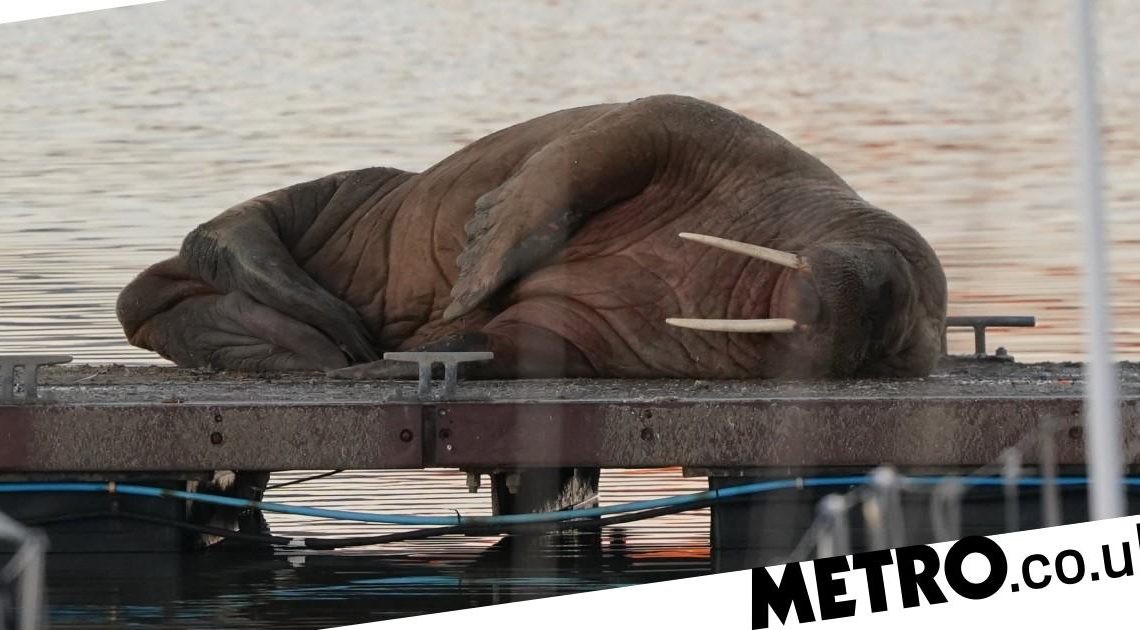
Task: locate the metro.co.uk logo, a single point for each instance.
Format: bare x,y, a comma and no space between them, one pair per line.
972,568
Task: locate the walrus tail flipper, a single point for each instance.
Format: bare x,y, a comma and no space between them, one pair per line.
531,216
249,249
170,311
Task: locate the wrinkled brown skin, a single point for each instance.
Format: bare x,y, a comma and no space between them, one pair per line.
553,243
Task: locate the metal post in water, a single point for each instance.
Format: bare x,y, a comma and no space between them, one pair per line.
1102,414
1047,454
835,539
25,569
882,510
32,614
946,509
1011,474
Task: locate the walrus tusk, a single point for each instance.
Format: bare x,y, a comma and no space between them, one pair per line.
786,259
736,325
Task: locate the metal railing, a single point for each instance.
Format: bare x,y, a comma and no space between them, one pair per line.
22,577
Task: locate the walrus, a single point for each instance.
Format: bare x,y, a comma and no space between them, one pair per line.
662,237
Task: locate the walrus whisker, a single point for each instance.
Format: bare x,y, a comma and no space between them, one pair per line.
736,325
787,259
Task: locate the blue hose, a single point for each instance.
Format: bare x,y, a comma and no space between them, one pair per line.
537,517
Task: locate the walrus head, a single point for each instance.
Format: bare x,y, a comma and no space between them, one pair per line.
846,308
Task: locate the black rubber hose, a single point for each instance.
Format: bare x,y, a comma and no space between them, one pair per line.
261,539
327,544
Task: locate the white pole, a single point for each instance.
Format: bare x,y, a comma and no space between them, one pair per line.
1102,414
25,569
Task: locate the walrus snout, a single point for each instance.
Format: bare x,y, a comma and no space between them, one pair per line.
866,297
800,299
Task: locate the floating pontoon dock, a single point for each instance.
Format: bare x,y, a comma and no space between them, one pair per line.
93,418
169,425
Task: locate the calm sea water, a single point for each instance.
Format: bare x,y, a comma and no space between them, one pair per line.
121,130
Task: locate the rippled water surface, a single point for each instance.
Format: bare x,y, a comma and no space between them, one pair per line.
121,130
310,589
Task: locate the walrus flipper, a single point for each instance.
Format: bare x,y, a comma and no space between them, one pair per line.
521,223
248,249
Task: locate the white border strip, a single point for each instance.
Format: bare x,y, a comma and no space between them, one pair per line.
19,11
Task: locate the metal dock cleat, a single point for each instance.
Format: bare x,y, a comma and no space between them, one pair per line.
979,324
30,366
428,360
